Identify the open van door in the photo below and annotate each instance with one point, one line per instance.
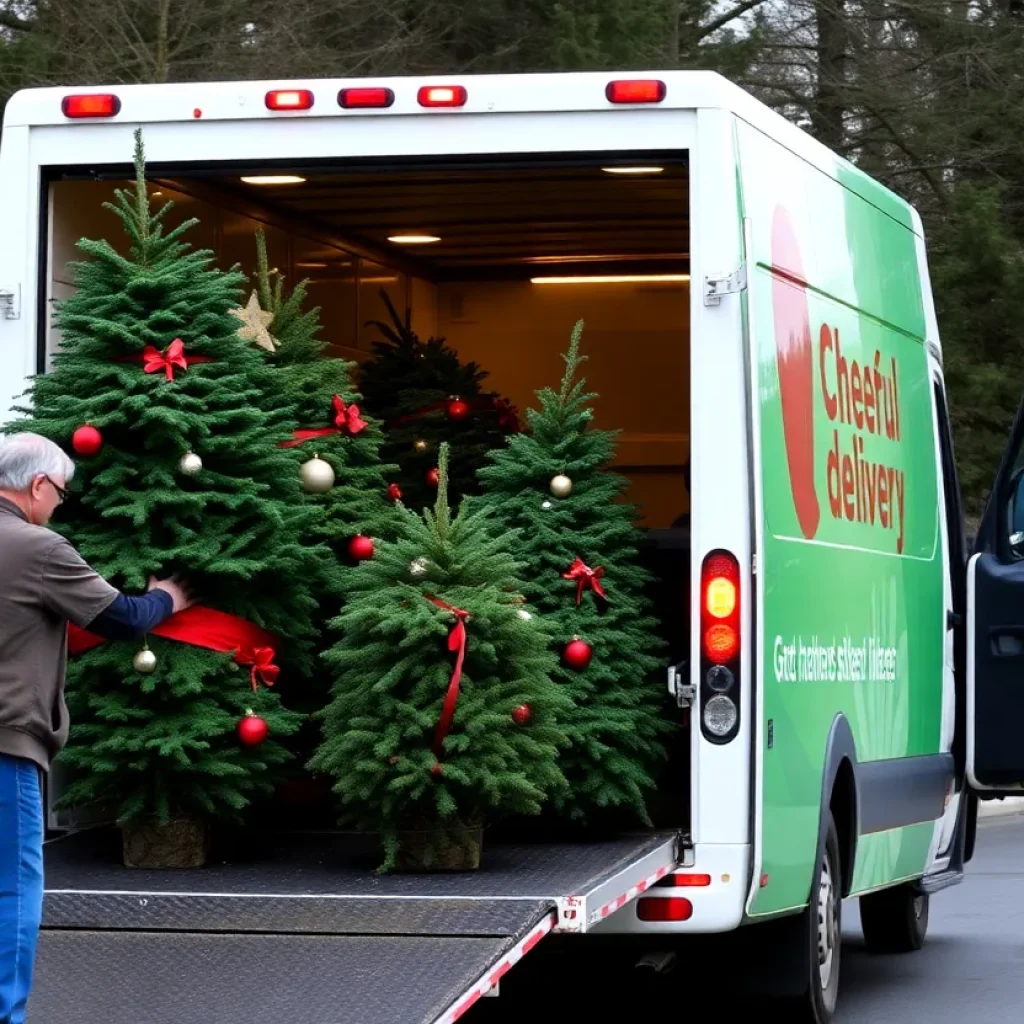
(995, 632)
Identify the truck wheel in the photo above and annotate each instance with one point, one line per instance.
(894, 920)
(824, 933)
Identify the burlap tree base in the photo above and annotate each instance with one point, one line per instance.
(440, 848)
(182, 843)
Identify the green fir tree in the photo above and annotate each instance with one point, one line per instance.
(617, 725)
(426, 395)
(164, 744)
(399, 771)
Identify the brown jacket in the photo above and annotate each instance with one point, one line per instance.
(44, 583)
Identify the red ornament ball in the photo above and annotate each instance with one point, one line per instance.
(252, 730)
(436, 770)
(458, 409)
(577, 654)
(361, 548)
(87, 440)
(522, 714)
(394, 492)
(433, 477)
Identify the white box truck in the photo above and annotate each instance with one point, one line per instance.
(758, 308)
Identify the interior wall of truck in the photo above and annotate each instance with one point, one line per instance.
(521, 250)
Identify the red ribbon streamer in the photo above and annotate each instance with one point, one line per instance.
(153, 360)
(210, 629)
(508, 416)
(346, 418)
(456, 642)
(583, 574)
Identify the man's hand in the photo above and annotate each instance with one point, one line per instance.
(176, 587)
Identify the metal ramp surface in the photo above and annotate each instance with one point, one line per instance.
(304, 931)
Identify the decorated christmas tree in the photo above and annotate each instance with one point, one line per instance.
(579, 545)
(425, 395)
(179, 471)
(443, 711)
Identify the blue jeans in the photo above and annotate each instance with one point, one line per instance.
(21, 882)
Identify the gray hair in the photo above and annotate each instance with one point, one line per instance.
(25, 456)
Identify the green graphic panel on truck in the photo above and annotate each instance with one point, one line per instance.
(851, 565)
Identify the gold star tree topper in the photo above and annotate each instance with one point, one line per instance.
(255, 322)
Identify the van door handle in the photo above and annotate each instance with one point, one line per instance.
(953, 620)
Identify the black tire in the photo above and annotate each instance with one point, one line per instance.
(823, 931)
(895, 920)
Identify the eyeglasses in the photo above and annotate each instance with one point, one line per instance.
(61, 493)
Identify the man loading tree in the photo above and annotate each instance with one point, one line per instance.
(44, 584)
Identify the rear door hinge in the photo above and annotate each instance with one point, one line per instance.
(717, 285)
(10, 302)
(684, 692)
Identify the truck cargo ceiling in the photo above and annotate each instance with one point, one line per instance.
(420, 949)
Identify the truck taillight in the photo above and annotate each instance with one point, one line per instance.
(641, 90)
(664, 908)
(362, 99)
(720, 647)
(289, 99)
(99, 104)
(442, 96)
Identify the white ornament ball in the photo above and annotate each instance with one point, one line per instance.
(561, 486)
(144, 660)
(190, 464)
(524, 614)
(418, 567)
(546, 505)
(317, 476)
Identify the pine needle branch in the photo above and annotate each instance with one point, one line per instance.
(442, 514)
(141, 195)
(573, 359)
(263, 273)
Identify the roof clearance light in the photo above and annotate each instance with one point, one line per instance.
(641, 90)
(273, 179)
(361, 99)
(289, 99)
(442, 96)
(102, 104)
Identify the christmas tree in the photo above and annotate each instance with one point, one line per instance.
(179, 471)
(443, 709)
(580, 546)
(357, 496)
(425, 395)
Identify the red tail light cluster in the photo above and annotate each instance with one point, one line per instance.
(664, 908)
(721, 643)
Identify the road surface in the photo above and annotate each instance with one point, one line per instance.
(969, 969)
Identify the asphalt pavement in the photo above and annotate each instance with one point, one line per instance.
(971, 968)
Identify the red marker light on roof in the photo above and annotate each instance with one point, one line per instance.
(289, 99)
(101, 104)
(641, 90)
(442, 96)
(363, 99)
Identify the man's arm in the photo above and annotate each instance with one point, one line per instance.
(128, 618)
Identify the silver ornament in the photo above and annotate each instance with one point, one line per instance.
(418, 567)
(190, 464)
(317, 476)
(546, 505)
(524, 614)
(144, 660)
(560, 486)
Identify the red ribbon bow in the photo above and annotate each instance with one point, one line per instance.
(153, 360)
(456, 642)
(583, 574)
(261, 660)
(345, 418)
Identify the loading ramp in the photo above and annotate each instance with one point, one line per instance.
(306, 932)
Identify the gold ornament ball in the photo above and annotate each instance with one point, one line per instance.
(144, 660)
(561, 486)
(190, 464)
(420, 446)
(317, 476)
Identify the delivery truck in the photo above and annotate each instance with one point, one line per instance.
(761, 329)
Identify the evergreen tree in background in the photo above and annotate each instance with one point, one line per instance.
(425, 395)
(580, 547)
(443, 708)
(152, 373)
